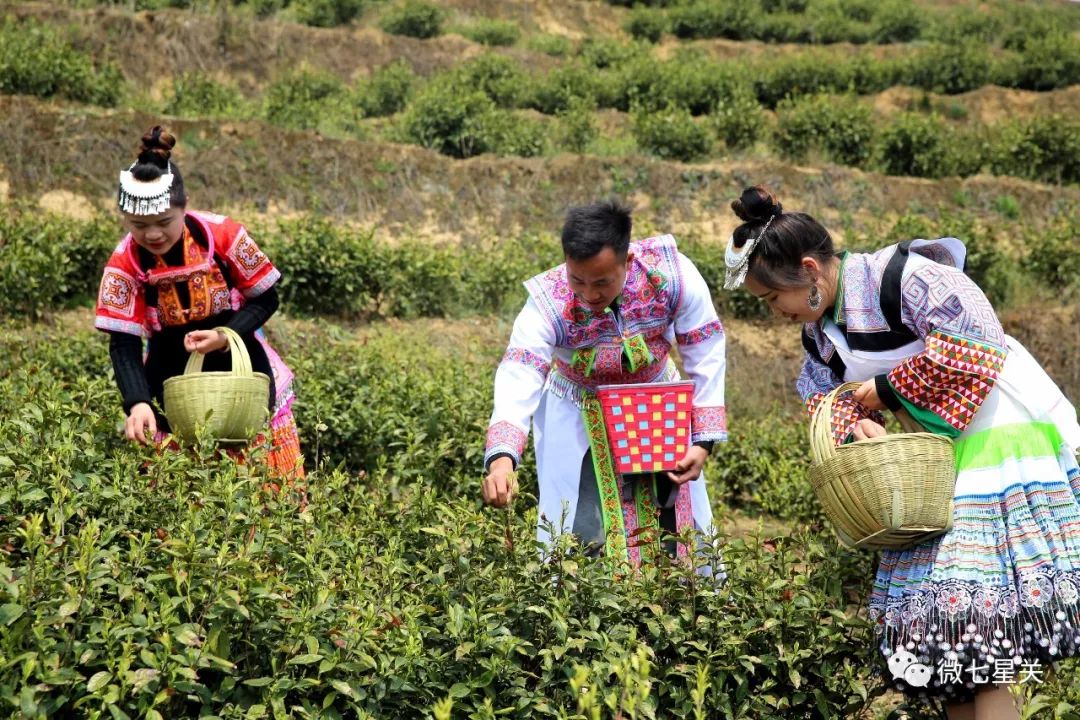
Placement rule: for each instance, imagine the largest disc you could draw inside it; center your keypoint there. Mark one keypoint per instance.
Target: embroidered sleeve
(944, 385)
(121, 301)
(814, 383)
(249, 267)
(519, 383)
(702, 346)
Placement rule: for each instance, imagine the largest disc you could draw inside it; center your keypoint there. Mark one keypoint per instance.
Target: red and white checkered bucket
(648, 424)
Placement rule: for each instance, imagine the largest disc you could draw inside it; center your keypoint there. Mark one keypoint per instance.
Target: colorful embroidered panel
(611, 506)
(951, 377)
(527, 358)
(700, 334)
(649, 299)
(603, 364)
(708, 423)
(940, 298)
(506, 437)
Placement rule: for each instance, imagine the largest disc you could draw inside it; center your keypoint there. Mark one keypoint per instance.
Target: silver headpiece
(144, 198)
(737, 260)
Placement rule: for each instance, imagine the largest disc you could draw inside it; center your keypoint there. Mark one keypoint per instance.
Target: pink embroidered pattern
(700, 334)
(649, 298)
(528, 358)
(607, 368)
(708, 422)
(505, 436)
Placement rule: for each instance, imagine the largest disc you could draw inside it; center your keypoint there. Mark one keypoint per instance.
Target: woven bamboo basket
(232, 404)
(882, 493)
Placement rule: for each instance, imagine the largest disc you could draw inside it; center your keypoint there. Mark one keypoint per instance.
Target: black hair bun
(156, 147)
(756, 204)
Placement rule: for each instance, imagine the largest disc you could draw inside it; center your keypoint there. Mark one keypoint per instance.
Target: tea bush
(1045, 148)
(309, 99)
(604, 53)
(328, 13)
(36, 60)
(175, 584)
(841, 128)
(831, 21)
(1055, 259)
(577, 130)
(924, 146)
(671, 134)
(738, 120)
(951, 69)
(820, 71)
(554, 45)
(898, 21)
(48, 261)
(197, 95)
(647, 24)
(349, 275)
(449, 119)
(413, 18)
(497, 76)
(713, 18)
(1047, 61)
(491, 32)
(556, 91)
(387, 91)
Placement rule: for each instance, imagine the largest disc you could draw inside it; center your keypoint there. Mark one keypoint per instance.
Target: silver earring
(813, 300)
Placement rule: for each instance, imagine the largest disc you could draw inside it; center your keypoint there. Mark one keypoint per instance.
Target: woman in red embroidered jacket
(996, 599)
(176, 276)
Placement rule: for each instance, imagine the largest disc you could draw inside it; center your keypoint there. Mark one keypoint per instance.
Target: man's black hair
(593, 227)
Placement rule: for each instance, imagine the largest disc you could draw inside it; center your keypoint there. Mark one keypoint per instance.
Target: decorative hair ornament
(737, 260)
(144, 198)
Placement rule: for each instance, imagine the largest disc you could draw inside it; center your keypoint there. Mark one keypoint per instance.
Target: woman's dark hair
(777, 258)
(591, 228)
(155, 149)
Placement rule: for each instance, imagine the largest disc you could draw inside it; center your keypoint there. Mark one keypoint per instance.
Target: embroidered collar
(838, 306)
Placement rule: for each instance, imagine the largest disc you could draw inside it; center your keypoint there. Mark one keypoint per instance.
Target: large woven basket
(232, 405)
(882, 493)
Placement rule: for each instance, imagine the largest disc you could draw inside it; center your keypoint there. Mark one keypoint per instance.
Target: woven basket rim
(215, 375)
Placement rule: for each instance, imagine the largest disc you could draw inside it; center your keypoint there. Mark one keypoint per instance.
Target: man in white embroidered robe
(609, 315)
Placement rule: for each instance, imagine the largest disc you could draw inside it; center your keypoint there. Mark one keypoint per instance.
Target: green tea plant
(36, 60)
(413, 18)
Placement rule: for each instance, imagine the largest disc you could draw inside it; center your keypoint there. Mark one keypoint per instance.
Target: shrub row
(48, 262)
(1044, 148)
(467, 110)
(37, 60)
(832, 21)
(619, 75)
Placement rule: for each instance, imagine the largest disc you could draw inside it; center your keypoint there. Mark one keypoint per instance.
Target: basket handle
(822, 446)
(241, 360)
